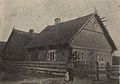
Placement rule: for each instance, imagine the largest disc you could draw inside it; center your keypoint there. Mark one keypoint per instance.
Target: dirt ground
(17, 78)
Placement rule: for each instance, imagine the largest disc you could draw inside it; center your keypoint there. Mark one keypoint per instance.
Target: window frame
(52, 55)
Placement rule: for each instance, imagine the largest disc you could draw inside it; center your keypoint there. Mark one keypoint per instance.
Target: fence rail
(46, 67)
(115, 72)
(58, 68)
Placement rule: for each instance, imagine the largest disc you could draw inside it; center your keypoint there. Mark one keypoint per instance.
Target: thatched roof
(63, 33)
(17, 41)
(58, 34)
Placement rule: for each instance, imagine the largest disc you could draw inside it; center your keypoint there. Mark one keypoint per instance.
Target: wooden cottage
(85, 38)
(14, 49)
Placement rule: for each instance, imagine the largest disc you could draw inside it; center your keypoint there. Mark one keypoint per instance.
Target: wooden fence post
(108, 70)
(97, 70)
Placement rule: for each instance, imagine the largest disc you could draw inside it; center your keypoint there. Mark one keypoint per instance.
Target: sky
(37, 14)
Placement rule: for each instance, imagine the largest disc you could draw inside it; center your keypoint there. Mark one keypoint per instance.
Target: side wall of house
(42, 55)
(36, 55)
(91, 43)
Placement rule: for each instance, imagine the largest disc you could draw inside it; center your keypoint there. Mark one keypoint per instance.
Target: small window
(75, 55)
(51, 55)
(75, 52)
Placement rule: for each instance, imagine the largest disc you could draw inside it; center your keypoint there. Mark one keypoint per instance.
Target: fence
(45, 67)
(58, 68)
(91, 71)
(115, 72)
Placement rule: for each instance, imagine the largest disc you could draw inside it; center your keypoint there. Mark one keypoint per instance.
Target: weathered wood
(42, 66)
(115, 72)
(55, 68)
(36, 62)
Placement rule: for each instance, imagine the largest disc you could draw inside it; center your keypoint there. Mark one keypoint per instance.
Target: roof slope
(63, 33)
(24, 37)
(19, 38)
(58, 34)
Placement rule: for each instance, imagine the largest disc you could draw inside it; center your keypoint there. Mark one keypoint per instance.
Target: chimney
(31, 31)
(57, 21)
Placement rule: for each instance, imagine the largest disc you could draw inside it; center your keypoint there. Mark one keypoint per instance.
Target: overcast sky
(37, 14)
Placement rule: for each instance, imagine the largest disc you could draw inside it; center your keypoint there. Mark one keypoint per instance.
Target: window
(48, 56)
(75, 54)
(78, 54)
(51, 55)
(82, 55)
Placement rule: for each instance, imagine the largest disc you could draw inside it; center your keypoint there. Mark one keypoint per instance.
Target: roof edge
(107, 35)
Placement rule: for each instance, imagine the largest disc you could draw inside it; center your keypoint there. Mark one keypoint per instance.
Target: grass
(18, 78)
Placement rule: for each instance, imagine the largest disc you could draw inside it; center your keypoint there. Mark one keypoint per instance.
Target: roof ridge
(17, 30)
(71, 20)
